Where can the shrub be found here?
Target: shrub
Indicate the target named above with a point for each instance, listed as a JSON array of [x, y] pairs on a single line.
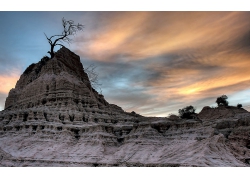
[[186, 112], [239, 105], [222, 101]]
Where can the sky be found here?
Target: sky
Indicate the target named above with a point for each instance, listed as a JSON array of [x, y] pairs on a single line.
[[150, 62]]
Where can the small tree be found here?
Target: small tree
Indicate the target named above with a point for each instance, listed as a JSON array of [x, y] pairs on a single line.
[[222, 101], [186, 112], [239, 105], [69, 28]]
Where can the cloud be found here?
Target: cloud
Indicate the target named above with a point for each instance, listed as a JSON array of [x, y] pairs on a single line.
[[8, 82], [143, 34], [174, 58], [122, 82]]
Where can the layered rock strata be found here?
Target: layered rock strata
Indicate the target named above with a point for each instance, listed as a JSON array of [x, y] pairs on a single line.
[[53, 117]]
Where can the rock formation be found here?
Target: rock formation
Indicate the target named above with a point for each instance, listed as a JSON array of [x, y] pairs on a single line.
[[221, 112], [53, 117]]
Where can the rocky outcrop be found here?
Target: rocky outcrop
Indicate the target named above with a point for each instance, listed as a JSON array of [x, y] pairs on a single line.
[[56, 82], [221, 112], [53, 117]]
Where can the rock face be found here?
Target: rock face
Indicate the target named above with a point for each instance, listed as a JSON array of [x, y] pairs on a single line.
[[54, 83], [221, 112], [53, 117]]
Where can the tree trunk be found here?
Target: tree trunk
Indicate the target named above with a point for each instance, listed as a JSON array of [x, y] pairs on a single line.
[[51, 52]]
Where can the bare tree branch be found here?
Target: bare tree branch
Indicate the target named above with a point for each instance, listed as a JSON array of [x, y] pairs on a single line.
[[49, 39], [59, 45], [93, 77]]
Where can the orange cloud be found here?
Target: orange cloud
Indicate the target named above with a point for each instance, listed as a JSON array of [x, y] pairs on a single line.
[[144, 34], [7, 82], [188, 43]]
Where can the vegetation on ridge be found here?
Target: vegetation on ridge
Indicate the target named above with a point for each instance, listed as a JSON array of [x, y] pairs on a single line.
[[222, 100], [187, 112]]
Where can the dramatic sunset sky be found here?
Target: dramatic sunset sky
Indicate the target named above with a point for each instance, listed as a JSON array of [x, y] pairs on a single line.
[[153, 63]]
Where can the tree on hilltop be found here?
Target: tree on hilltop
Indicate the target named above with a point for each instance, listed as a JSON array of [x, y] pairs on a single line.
[[222, 101], [69, 28], [239, 105]]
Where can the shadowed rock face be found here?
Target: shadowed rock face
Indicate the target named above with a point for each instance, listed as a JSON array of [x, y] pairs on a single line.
[[220, 112], [53, 117], [54, 82]]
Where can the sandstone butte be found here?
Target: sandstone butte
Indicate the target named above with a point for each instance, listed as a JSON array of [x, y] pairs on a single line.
[[53, 117]]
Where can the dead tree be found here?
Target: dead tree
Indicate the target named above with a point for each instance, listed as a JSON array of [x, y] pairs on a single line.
[[69, 28], [93, 77]]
